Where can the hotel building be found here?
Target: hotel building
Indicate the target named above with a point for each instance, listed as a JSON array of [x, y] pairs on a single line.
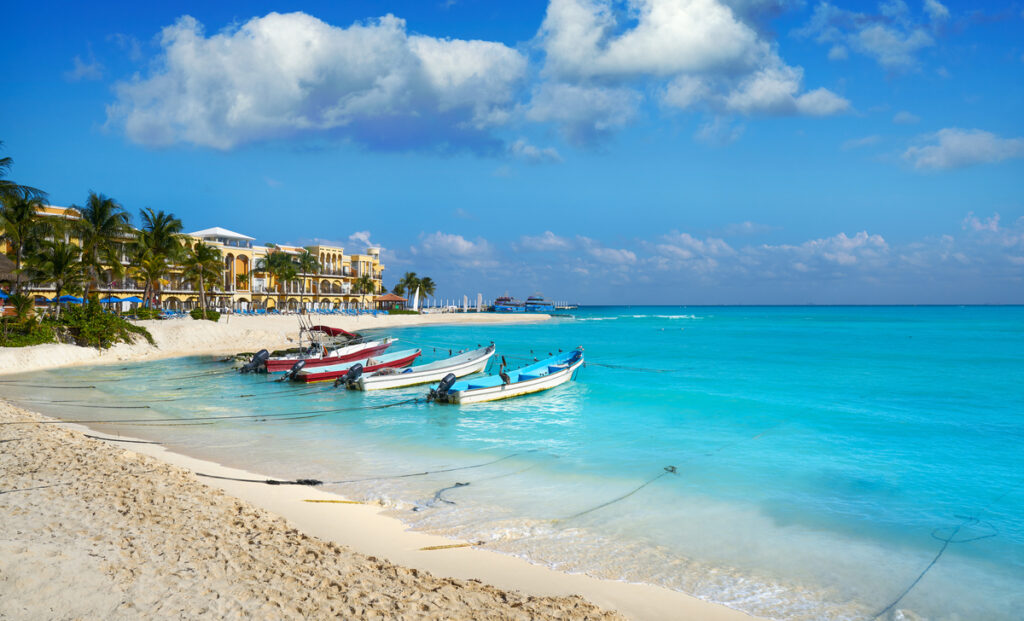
[[243, 283]]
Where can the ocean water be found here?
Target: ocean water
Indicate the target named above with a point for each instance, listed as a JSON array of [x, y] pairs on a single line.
[[824, 456]]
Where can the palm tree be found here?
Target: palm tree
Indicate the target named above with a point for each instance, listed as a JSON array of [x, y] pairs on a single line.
[[307, 264], [60, 263], [158, 245], [104, 224], [9, 189], [24, 306], [408, 283], [202, 264], [22, 227], [427, 286], [281, 267], [363, 285]]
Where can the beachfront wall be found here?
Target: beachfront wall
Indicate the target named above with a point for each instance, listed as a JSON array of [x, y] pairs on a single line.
[[243, 285]]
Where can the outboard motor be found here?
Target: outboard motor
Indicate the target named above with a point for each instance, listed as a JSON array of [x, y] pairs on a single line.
[[257, 363], [439, 393], [292, 371], [353, 375]]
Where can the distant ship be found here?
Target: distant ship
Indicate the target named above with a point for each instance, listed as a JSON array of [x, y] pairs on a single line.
[[506, 304], [537, 304]]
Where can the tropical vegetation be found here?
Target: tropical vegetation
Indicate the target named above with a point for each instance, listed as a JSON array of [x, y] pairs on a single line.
[[85, 251], [410, 282]]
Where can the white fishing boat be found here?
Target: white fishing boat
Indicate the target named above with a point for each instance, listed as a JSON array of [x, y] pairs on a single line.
[[460, 366], [542, 375]]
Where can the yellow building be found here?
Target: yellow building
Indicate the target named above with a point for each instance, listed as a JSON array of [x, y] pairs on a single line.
[[244, 285]]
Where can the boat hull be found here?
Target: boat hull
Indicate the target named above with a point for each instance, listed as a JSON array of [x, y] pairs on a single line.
[[384, 382], [278, 365], [518, 389], [330, 375]]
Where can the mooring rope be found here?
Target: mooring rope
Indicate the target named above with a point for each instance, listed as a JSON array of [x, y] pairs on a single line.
[[424, 473], [666, 470], [120, 440], [968, 520], [294, 415]]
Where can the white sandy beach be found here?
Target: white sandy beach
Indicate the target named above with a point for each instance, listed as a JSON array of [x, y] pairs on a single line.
[[98, 529]]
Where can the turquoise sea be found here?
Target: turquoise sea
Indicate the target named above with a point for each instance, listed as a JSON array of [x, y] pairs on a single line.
[[824, 456]]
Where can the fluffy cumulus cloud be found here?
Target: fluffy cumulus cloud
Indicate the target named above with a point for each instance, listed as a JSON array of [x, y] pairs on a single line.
[[700, 52], [284, 74], [602, 254], [958, 148], [586, 114], [533, 154], [450, 249], [893, 36]]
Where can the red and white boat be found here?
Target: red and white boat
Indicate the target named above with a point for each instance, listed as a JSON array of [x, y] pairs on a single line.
[[322, 355], [396, 360], [335, 332]]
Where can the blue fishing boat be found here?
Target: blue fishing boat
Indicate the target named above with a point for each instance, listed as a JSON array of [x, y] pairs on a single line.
[[537, 304], [506, 304], [541, 375]]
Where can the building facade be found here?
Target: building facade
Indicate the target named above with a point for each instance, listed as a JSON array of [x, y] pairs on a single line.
[[245, 283]]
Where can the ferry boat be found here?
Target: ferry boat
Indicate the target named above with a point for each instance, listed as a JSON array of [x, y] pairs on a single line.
[[537, 304], [506, 304]]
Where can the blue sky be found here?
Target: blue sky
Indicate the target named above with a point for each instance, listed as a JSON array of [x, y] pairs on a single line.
[[654, 151]]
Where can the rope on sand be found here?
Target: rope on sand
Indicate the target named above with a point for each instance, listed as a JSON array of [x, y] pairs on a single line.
[[311, 482], [120, 440]]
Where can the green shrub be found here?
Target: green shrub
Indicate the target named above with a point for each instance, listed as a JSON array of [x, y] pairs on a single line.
[[398, 311], [147, 313], [90, 326], [24, 334], [212, 315]]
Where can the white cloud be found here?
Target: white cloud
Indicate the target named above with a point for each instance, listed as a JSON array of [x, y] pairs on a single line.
[[533, 154], [905, 118], [972, 223], [91, 69], [957, 148], [450, 249], [748, 228], [719, 131], [841, 250], [585, 114], [705, 52], [669, 37], [547, 241], [936, 10], [838, 52], [892, 38], [603, 254], [857, 143], [361, 240], [279, 75]]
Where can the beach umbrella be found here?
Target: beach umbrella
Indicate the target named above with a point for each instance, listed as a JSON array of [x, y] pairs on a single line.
[[68, 299], [112, 299], [134, 299]]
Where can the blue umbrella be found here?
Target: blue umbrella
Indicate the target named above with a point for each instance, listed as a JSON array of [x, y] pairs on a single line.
[[68, 298], [135, 299], [110, 300], [3, 296]]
